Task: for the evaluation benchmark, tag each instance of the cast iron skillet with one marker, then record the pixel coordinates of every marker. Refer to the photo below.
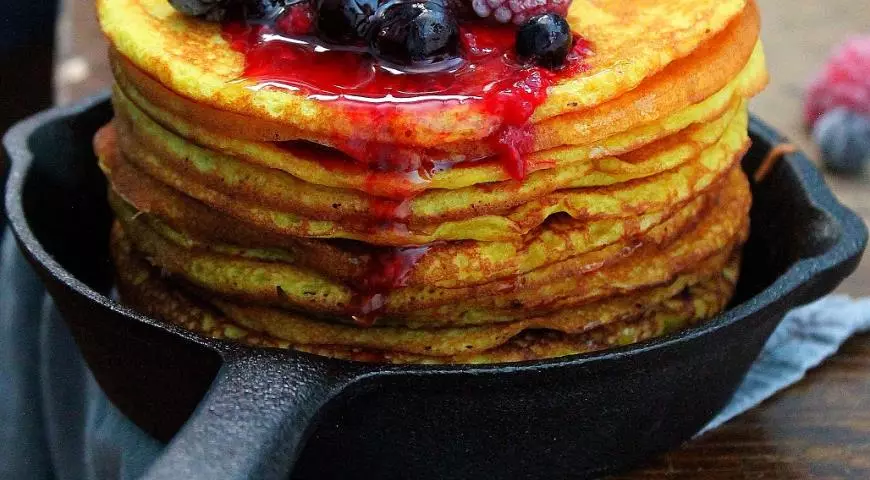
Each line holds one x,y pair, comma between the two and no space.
262,413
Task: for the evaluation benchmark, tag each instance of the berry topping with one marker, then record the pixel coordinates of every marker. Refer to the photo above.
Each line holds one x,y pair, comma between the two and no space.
517,11
845,81
213,10
259,11
545,39
254,11
843,137
417,35
344,22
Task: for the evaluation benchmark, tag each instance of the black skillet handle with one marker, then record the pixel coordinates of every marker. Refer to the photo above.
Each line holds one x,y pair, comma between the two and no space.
255,419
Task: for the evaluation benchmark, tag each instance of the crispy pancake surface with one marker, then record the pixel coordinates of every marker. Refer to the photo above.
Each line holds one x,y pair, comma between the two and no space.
375,227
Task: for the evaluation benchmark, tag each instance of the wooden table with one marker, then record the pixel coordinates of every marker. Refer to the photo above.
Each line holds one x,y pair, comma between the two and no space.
819,428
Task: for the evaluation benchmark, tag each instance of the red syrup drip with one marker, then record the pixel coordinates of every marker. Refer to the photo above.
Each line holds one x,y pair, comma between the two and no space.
490,75
387,270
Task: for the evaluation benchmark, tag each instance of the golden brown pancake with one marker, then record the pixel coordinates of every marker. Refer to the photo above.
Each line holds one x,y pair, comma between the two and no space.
625,199
594,326
143,140
633,41
576,279
553,212
450,264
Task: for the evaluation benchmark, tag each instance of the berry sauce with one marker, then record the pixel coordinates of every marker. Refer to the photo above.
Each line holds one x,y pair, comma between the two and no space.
489,75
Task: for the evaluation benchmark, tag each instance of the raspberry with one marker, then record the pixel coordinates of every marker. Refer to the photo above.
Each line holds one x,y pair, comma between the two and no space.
517,11
843,137
845,81
297,19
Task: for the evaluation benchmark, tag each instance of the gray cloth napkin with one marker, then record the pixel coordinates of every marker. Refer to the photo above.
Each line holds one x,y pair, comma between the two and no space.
56,423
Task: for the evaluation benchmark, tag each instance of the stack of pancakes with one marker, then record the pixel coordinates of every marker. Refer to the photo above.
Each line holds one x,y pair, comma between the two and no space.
272,217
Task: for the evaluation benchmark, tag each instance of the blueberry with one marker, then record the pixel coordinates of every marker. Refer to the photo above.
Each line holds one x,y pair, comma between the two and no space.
344,22
843,137
201,8
258,11
416,34
545,39
219,10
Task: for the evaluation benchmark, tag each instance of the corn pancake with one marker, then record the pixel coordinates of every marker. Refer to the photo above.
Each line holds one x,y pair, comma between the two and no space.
165,209
698,303
454,264
631,198
293,287
202,268
299,161
141,139
301,330
609,323
633,41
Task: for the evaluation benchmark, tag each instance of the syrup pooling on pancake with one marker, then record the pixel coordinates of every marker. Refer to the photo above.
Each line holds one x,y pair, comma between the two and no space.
540,203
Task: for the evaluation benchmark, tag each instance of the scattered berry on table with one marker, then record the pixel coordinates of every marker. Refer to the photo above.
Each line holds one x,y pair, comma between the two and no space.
419,35
344,22
844,82
517,11
843,136
545,39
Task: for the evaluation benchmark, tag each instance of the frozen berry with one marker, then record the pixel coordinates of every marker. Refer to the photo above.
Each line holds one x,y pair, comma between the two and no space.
419,35
344,22
517,11
843,137
845,81
545,39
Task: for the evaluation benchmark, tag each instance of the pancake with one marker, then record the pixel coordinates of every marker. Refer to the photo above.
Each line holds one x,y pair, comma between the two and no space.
593,327
446,264
142,139
497,211
331,168
450,265
166,210
621,200
293,287
633,41
698,303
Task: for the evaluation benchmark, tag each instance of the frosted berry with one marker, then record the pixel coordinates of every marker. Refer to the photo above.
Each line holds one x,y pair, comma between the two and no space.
545,39
844,82
843,137
417,35
517,11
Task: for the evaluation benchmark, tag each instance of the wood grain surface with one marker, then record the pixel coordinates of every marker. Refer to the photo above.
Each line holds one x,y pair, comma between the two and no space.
819,428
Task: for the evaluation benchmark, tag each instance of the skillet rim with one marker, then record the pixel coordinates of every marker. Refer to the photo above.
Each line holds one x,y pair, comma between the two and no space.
852,237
